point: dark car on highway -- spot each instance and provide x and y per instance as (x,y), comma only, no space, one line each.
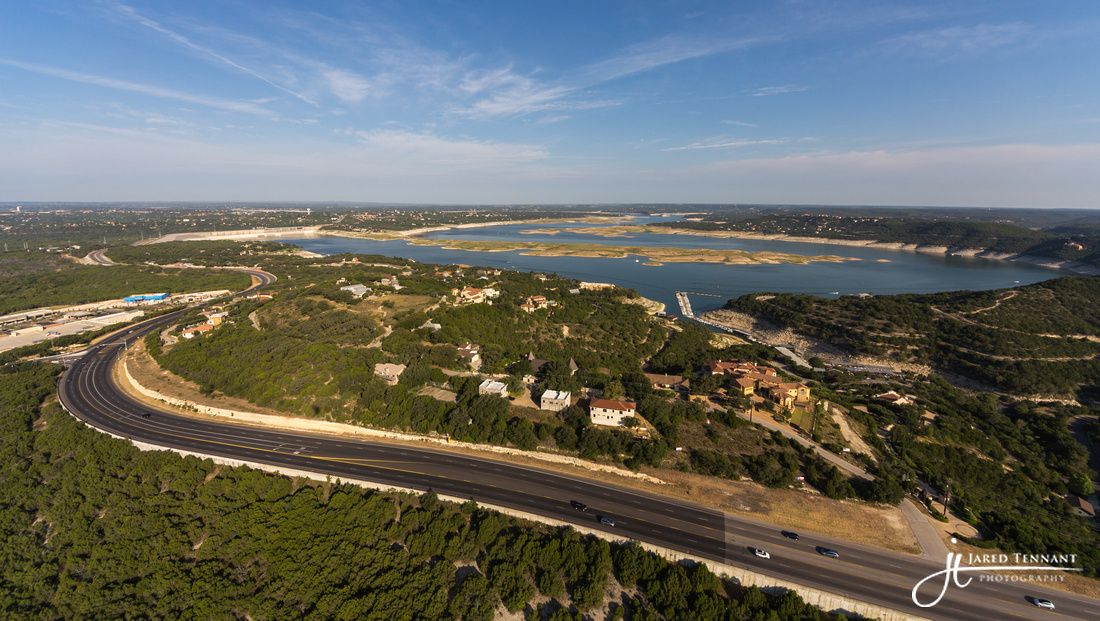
(829,552)
(578,505)
(790,535)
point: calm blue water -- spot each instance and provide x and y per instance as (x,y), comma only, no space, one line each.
(906,272)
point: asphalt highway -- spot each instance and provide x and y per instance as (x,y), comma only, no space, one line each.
(88,390)
(98,256)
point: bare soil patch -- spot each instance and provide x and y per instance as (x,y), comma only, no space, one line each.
(774,336)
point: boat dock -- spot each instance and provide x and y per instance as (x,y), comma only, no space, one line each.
(685,304)
(687,312)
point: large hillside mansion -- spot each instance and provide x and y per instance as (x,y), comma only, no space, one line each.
(759,382)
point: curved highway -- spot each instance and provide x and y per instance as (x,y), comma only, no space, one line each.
(88,390)
(99,257)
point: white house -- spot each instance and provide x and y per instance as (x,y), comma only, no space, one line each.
(357,291)
(470,295)
(555,400)
(493,387)
(610,412)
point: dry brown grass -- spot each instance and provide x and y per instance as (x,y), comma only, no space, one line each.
(854,521)
(396,303)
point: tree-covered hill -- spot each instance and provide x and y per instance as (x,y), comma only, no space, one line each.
(312,350)
(1009,463)
(207,253)
(1037,339)
(1063,243)
(29,280)
(92,528)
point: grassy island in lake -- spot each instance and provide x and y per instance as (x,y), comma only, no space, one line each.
(655,255)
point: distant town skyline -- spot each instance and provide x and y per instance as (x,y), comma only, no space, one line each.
(985,103)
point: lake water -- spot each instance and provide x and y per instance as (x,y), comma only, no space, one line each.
(711,284)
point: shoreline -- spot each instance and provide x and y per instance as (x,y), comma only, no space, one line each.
(384,235)
(408,235)
(654,256)
(980,253)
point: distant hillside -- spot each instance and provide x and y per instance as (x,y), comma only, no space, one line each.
(1063,243)
(1038,339)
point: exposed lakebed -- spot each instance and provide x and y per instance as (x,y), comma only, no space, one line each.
(862,270)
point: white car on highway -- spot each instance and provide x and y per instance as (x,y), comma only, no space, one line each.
(761,553)
(1042,603)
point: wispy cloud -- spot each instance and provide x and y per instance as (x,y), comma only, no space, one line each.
(475,82)
(347,86)
(557,118)
(503,92)
(725,142)
(521,96)
(955,40)
(394,59)
(130,13)
(151,120)
(660,52)
(739,123)
(136,87)
(783,89)
(507,93)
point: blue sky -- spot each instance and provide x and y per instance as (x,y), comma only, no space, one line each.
(824,102)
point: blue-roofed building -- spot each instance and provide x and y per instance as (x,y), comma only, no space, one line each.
(145,297)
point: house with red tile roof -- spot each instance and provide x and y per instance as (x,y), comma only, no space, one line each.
(611,412)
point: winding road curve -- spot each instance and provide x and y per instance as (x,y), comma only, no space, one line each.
(88,391)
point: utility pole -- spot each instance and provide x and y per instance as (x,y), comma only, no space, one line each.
(946,497)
